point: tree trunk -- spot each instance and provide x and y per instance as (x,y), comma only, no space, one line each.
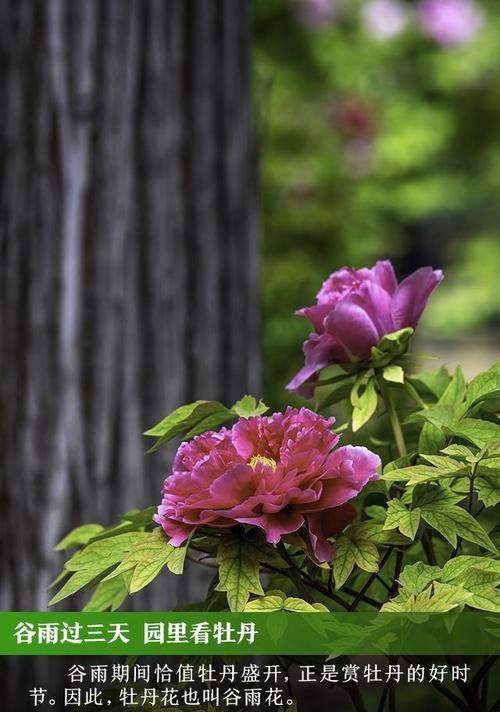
(128,274)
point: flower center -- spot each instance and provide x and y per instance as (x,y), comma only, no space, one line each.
(265,461)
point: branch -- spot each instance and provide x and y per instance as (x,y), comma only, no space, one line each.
(372,578)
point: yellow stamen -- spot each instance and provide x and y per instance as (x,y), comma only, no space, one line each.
(265,461)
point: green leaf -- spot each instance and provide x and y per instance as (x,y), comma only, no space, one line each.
(366,555)
(100,555)
(150,557)
(124,527)
(445,463)
(265,604)
(484,386)
(298,605)
(396,342)
(344,561)
(437,598)
(109,595)
(79,536)
(424,473)
(432,382)
(455,390)
(483,585)
(489,468)
(339,393)
(238,570)
(60,577)
(460,565)
(492,450)
(266,553)
(441,417)
(450,596)
(399,517)
(176,560)
(478,432)
(278,601)
(185,419)
(488,490)
(399,463)
(415,577)
(393,373)
(212,422)
(377,512)
(248,407)
(75,583)
(459,451)
(140,555)
(141,517)
(374,532)
(365,407)
(454,521)
(356,547)
(434,497)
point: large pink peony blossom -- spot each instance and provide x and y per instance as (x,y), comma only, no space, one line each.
(354,309)
(280,474)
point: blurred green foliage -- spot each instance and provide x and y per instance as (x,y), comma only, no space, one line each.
(374,149)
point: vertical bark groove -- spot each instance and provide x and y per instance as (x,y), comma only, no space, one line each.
(128,270)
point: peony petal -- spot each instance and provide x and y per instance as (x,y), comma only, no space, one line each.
(325,524)
(248,438)
(350,469)
(384,275)
(362,463)
(276,525)
(234,486)
(377,303)
(412,295)
(320,351)
(353,327)
(178,532)
(192,453)
(322,549)
(335,520)
(316,315)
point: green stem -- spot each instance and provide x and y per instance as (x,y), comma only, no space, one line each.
(302,580)
(372,578)
(397,571)
(428,548)
(471,487)
(413,393)
(329,381)
(393,416)
(295,574)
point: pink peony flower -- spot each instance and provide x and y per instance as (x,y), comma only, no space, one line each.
(280,474)
(354,309)
(450,22)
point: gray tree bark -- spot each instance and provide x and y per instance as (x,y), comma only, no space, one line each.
(128,274)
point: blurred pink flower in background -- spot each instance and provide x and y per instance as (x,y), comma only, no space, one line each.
(450,22)
(384,19)
(354,116)
(316,13)
(355,119)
